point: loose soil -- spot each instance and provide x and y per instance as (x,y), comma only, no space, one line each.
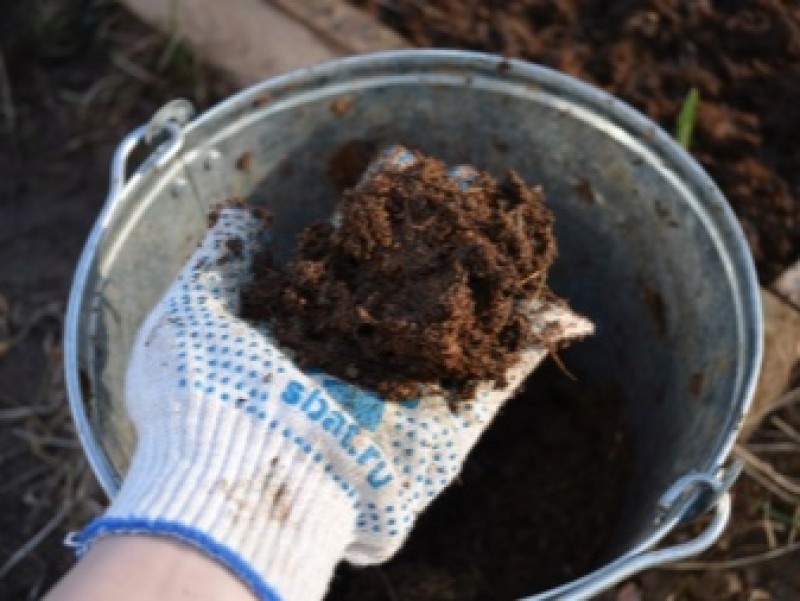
(742,56)
(419,286)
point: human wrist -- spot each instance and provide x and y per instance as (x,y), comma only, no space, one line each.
(137,567)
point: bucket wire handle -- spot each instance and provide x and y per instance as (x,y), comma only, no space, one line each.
(675,502)
(168,122)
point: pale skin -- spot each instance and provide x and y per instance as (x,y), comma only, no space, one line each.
(148,568)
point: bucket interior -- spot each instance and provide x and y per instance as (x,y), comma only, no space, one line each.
(647,250)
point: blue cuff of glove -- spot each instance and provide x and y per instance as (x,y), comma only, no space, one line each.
(200,540)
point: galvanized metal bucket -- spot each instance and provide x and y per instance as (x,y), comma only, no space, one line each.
(648,248)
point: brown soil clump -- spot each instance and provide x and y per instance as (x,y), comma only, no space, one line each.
(419,285)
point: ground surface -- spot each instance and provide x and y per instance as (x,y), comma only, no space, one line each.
(76,75)
(743,56)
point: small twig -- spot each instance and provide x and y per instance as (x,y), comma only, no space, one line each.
(554,354)
(768,470)
(732,564)
(41,491)
(127,66)
(770,435)
(174,38)
(787,400)
(778,516)
(144,45)
(35,540)
(528,278)
(21,411)
(24,478)
(769,527)
(52,309)
(770,485)
(95,91)
(49,441)
(774,447)
(793,434)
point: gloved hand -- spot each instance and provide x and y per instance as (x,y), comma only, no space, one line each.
(276,473)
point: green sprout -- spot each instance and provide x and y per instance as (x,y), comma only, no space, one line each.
(686,118)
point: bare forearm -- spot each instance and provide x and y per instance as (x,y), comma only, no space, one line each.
(146,568)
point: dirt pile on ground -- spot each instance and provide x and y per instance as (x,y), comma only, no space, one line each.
(420,283)
(743,57)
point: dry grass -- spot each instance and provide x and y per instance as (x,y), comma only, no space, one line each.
(75,76)
(52,484)
(752,559)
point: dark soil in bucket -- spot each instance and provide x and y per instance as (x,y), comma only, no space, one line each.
(418,286)
(536,505)
(742,56)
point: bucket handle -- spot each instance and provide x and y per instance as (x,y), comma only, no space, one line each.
(168,122)
(675,503)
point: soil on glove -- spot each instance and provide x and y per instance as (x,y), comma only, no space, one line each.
(419,285)
(742,56)
(537,504)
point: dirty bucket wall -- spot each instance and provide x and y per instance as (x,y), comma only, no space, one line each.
(648,247)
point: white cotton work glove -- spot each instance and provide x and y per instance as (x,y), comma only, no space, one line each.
(277,473)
